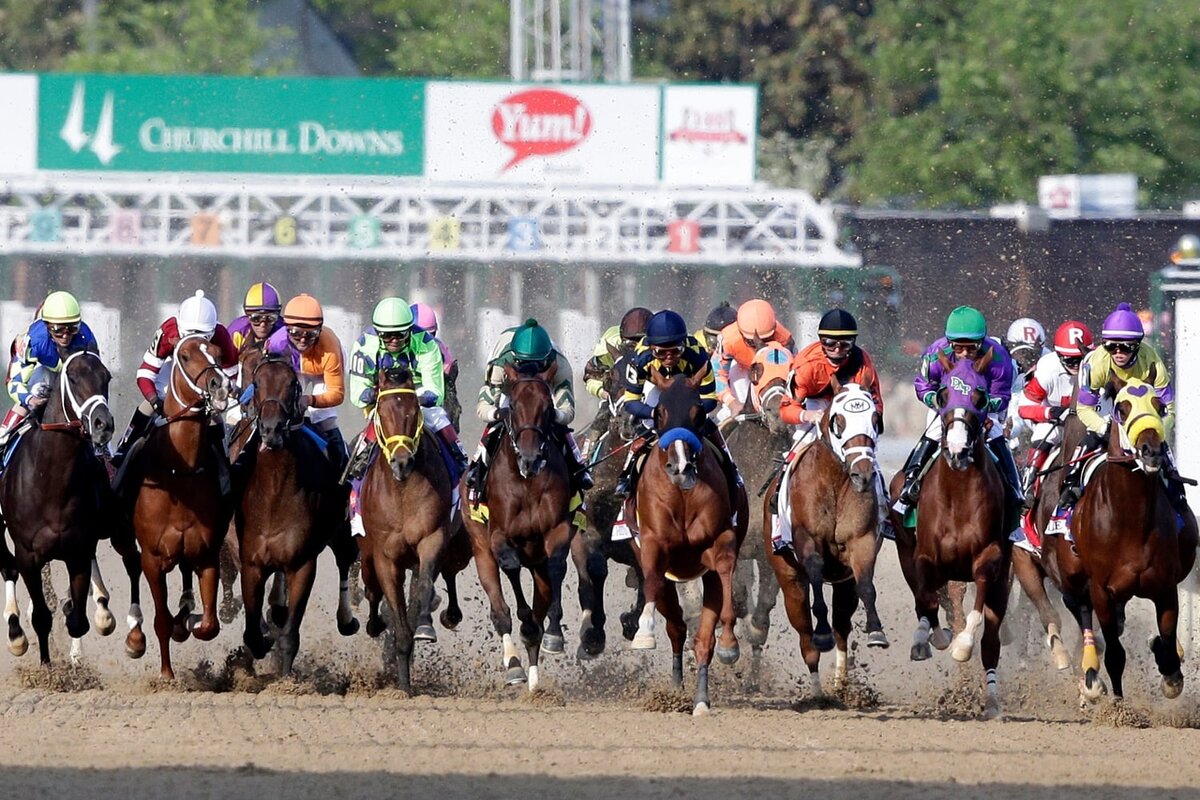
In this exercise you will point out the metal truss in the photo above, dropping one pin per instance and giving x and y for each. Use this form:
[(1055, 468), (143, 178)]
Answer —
[(244, 217)]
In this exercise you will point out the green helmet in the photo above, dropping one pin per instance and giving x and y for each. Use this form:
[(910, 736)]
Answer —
[(60, 308), (966, 323), (392, 314), (530, 342)]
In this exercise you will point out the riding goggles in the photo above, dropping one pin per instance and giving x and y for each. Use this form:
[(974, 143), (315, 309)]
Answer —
[(70, 328), (1128, 348), (1071, 362), (395, 336), (304, 334), (666, 351), (266, 318), (837, 344)]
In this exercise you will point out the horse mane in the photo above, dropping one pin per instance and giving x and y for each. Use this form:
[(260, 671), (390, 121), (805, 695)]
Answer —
[(397, 375)]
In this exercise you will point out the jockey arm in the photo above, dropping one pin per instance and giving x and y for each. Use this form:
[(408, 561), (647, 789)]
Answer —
[(1032, 405), (1000, 381), (601, 361), (431, 379), (929, 376), (325, 359), (563, 391), (161, 349), (363, 365)]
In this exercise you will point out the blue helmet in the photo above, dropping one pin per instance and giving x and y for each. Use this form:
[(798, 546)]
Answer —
[(665, 328)]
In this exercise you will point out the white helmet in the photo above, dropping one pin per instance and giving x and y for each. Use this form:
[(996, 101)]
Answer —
[(1026, 331), (197, 314)]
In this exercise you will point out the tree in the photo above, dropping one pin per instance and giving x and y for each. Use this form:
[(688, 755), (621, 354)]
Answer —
[(972, 101)]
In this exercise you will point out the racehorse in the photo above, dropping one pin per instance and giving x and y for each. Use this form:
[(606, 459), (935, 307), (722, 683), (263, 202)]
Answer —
[(692, 523), (290, 506), (408, 516), (181, 506), (833, 495), (58, 504), (754, 438), (1128, 542), (529, 522), (959, 534)]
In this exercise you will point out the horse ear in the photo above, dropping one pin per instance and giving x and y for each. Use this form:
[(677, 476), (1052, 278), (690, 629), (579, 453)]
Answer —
[(510, 374), (697, 379), (550, 371), (756, 373), (1123, 408), (834, 383), (985, 360), (944, 361), (1159, 407), (877, 423), (613, 352), (656, 378), (1152, 374)]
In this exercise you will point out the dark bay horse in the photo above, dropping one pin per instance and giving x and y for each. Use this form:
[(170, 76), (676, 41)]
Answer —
[(1128, 543), (960, 533), (181, 510), (58, 504), (834, 500), (692, 524), (291, 504), (409, 519), (529, 522)]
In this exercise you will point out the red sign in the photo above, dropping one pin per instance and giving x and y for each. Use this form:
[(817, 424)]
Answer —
[(683, 236), (707, 126), (540, 122)]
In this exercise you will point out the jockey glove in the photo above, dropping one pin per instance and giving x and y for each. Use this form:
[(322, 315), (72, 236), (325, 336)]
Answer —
[(994, 403), (931, 399), (1056, 412), (428, 399), (1091, 441), (639, 409)]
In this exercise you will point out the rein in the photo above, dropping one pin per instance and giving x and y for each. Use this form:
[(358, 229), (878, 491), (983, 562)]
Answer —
[(392, 444), (66, 394)]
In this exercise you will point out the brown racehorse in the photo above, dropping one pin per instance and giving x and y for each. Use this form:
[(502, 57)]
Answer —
[(529, 519), (1128, 543), (692, 524), (834, 512), (959, 534), (58, 503), (290, 506), (409, 519), (181, 513)]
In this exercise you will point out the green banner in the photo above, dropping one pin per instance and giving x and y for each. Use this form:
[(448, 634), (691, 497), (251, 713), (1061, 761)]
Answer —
[(138, 123)]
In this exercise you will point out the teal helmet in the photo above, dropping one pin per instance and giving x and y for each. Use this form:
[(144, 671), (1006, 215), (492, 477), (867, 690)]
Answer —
[(531, 342), (391, 315), (966, 324)]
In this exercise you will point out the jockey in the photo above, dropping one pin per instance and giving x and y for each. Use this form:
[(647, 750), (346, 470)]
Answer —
[(1046, 397), (835, 353), (262, 316), (395, 341), (57, 331), (425, 318), (1025, 341), (316, 354), (718, 320), (966, 337), (755, 326), (668, 348), (1123, 355), (529, 350), (617, 342), (196, 316)]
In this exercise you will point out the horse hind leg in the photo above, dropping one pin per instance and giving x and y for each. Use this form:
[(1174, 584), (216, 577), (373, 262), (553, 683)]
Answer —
[(1030, 577), (764, 602), (103, 618), (814, 568), (1164, 645), (592, 568), (391, 579), (300, 584), (277, 601), (181, 627), (552, 640), (345, 553), (230, 558)]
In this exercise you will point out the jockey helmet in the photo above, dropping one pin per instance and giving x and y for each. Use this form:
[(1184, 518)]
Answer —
[(966, 324), (392, 315), (60, 308), (531, 342), (665, 328), (1072, 339), (304, 310), (837, 324), (720, 318), (1187, 247), (633, 324), (425, 318), (1122, 325), (197, 314), (1027, 332), (262, 296), (756, 319)]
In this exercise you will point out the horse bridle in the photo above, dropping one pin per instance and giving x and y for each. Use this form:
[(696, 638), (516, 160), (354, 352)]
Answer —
[(203, 403), (392, 444), (82, 423), (514, 432), (290, 407)]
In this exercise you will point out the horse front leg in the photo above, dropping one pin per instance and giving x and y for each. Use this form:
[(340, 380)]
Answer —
[(75, 610), (181, 627), (995, 607), (814, 570), (861, 555), (345, 553), (925, 596), (164, 622), (845, 603), (672, 611), (715, 593), (391, 578), (592, 568), (552, 639), (986, 573), (206, 626), (230, 558), (125, 545), (42, 617), (727, 648), (18, 643), (653, 560), (1111, 615), (1030, 576), (429, 552), (105, 622), (1165, 645), (488, 570), (764, 602), (300, 585), (253, 591), (1091, 686)]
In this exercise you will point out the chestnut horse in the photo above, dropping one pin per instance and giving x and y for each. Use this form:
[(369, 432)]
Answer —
[(58, 504), (408, 516), (181, 510), (1128, 542), (834, 501), (529, 522), (959, 533), (692, 524), (291, 505)]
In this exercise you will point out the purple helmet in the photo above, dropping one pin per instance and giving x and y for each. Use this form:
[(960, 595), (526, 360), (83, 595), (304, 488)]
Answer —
[(1123, 325), (425, 318), (262, 297)]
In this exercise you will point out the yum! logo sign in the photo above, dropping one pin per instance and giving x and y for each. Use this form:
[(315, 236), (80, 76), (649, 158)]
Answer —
[(540, 122)]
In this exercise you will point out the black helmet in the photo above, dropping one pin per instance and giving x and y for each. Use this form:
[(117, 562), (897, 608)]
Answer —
[(666, 328), (720, 317), (837, 324), (633, 324)]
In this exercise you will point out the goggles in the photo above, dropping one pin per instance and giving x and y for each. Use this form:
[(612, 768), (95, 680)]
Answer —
[(263, 317), (666, 351), (395, 336), (70, 328), (1128, 348), (303, 334), (837, 344)]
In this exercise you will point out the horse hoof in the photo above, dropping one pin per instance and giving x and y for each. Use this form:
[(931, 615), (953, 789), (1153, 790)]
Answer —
[(350, 627), (1091, 687), (180, 632), (1058, 653), (258, 649), (701, 710), (920, 652), (823, 641), (629, 625), (878, 639), (229, 610), (643, 641), (728, 655), (961, 652), (757, 636), (1172, 685), (424, 633), (18, 646), (591, 643), (992, 711), (105, 622), (374, 627), (552, 643), (941, 638), (135, 643), (450, 621), (514, 676)]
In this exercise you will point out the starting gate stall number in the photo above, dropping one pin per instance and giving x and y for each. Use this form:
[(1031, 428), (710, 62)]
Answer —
[(284, 231), (126, 227), (206, 229), (45, 225), (364, 232), (683, 236), (445, 233), (523, 235)]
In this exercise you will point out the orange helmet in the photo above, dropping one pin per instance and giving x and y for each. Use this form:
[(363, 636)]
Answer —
[(303, 309), (756, 319)]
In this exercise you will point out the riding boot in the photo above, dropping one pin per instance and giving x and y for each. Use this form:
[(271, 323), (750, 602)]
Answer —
[(1036, 460), (139, 426), (454, 446), (714, 435), (1072, 482), (476, 474), (1173, 483), (921, 454), (361, 450), (1008, 470), (581, 476), (12, 420), (335, 449), (628, 477)]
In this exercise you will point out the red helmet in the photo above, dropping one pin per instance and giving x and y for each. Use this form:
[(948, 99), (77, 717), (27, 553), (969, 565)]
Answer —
[(1072, 339)]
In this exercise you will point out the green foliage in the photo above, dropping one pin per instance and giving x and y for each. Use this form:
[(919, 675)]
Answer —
[(35, 35)]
